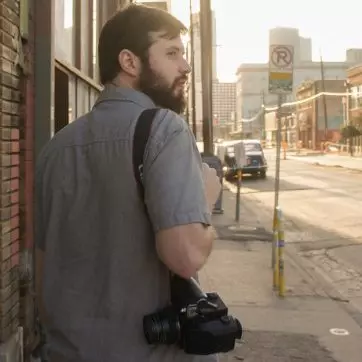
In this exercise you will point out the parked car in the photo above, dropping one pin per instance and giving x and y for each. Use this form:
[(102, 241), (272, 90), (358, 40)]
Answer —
[(247, 155)]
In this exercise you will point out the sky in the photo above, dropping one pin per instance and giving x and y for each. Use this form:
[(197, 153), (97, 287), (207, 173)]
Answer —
[(242, 28)]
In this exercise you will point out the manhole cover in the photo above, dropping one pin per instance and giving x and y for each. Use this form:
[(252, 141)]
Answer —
[(241, 228), (243, 233)]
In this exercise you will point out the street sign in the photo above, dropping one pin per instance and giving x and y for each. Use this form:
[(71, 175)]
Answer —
[(281, 58)]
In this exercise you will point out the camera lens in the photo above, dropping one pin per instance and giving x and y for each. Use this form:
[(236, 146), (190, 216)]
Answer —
[(161, 328)]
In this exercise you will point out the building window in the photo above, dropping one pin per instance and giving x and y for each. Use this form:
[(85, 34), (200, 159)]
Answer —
[(86, 22), (64, 44), (95, 27), (356, 97), (93, 97), (82, 98), (72, 99)]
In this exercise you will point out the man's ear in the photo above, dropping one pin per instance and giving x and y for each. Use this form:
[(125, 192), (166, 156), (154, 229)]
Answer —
[(129, 62)]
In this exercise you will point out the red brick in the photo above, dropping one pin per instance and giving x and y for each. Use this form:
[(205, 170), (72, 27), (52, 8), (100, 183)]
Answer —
[(14, 222), (15, 260), (15, 197), (15, 134), (15, 247), (14, 184), (15, 146), (15, 172), (15, 159), (14, 210), (15, 234)]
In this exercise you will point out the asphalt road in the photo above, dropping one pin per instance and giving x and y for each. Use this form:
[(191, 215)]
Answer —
[(322, 207)]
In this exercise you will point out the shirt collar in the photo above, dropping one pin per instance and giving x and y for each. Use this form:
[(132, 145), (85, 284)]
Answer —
[(114, 93)]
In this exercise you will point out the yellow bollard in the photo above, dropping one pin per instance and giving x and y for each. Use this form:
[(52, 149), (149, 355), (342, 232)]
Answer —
[(276, 260), (275, 240), (281, 244), (238, 195)]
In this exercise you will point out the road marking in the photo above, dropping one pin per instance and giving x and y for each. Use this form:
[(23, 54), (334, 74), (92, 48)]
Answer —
[(339, 332)]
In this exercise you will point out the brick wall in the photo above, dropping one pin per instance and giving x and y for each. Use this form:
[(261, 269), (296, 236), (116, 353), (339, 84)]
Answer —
[(9, 169), (26, 317), (15, 170)]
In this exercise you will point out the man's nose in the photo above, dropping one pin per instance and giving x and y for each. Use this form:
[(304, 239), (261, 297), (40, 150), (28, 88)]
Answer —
[(185, 67)]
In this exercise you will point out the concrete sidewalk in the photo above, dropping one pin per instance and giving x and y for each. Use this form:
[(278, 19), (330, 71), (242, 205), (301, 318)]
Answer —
[(352, 163), (297, 328)]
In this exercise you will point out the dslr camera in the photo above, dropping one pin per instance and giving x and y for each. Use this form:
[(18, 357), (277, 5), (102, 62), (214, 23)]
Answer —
[(198, 322)]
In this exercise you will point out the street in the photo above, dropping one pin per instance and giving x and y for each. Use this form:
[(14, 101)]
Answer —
[(322, 208), (320, 319)]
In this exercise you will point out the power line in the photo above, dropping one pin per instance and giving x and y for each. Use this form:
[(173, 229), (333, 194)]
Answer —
[(305, 100)]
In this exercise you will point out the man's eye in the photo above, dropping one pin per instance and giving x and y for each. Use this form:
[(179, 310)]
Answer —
[(172, 53)]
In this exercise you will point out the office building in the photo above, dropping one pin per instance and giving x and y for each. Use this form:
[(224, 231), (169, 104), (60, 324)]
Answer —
[(223, 106)]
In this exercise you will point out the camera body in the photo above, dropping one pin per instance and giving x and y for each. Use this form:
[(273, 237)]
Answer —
[(198, 322)]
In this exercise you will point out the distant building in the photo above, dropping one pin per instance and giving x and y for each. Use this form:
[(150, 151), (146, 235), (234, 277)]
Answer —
[(161, 4), (197, 67), (253, 79), (290, 36), (252, 87), (223, 107), (313, 126), (354, 103), (354, 56)]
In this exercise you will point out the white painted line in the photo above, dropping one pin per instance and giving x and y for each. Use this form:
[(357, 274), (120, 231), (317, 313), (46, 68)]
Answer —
[(339, 332)]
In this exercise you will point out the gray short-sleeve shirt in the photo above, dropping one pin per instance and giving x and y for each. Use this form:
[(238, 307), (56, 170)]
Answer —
[(101, 270)]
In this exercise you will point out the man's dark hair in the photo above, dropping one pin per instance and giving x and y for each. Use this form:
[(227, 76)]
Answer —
[(130, 29)]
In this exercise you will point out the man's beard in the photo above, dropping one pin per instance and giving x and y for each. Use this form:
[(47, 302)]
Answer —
[(162, 94)]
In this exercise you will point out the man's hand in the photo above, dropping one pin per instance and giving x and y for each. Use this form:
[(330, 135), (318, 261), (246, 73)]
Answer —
[(212, 184)]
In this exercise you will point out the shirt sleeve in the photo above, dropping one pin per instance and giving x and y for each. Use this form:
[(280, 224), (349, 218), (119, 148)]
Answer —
[(173, 182)]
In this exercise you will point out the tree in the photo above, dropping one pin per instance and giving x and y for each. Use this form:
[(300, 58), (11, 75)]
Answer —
[(348, 133), (357, 120)]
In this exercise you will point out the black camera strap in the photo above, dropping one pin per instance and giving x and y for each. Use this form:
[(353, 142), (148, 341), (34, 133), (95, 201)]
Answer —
[(140, 139)]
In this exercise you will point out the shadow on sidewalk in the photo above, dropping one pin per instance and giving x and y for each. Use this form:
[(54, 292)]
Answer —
[(278, 330), (248, 229), (259, 346), (315, 249), (252, 185)]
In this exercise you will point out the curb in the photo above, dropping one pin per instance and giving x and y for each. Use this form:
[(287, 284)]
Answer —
[(317, 278), (317, 163)]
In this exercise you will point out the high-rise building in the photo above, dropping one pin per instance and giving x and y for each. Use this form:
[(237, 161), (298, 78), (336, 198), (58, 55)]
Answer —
[(305, 49), (223, 107), (197, 45), (290, 36), (354, 55), (253, 79), (161, 4)]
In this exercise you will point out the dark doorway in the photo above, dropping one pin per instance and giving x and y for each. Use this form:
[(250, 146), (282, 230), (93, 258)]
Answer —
[(61, 99)]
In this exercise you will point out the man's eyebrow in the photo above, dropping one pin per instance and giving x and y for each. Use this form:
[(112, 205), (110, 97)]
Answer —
[(177, 48)]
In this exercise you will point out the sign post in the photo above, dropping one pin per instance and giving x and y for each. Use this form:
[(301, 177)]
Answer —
[(281, 58)]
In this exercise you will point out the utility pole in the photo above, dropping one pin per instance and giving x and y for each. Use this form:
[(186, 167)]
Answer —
[(206, 74), (277, 171), (192, 61), (262, 126), (324, 102)]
